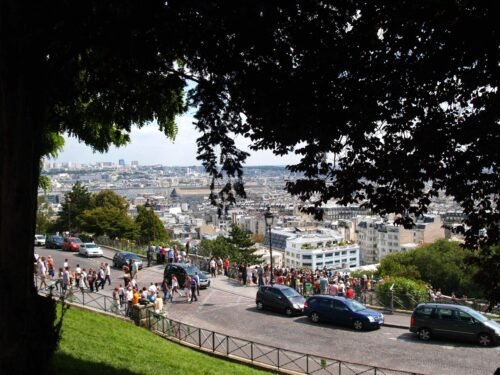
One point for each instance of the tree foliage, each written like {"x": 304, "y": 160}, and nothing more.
{"x": 149, "y": 226}
{"x": 386, "y": 104}
{"x": 75, "y": 203}
{"x": 238, "y": 247}
{"x": 441, "y": 265}
{"x": 404, "y": 293}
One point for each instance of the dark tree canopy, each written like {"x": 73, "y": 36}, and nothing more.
{"x": 387, "y": 103}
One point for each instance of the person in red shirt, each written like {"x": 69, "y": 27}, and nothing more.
{"x": 226, "y": 266}
{"x": 350, "y": 293}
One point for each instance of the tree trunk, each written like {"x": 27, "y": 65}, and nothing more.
{"x": 28, "y": 337}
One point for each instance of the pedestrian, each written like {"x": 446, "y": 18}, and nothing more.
{"x": 121, "y": 295}
{"x": 42, "y": 272}
{"x": 175, "y": 285}
{"x": 187, "y": 288}
{"x": 149, "y": 255}
{"x": 116, "y": 300}
{"x": 193, "y": 289}
{"x": 101, "y": 277}
{"x": 213, "y": 266}
{"x": 91, "y": 280}
{"x": 107, "y": 273}
{"x": 66, "y": 280}
{"x": 197, "y": 279}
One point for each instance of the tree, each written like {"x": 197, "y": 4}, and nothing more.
{"x": 75, "y": 203}
{"x": 43, "y": 215}
{"x": 387, "y": 104}
{"x": 442, "y": 265}
{"x": 108, "y": 215}
{"x": 218, "y": 247}
{"x": 150, "y": 227}
{"x": 244, "y": 246}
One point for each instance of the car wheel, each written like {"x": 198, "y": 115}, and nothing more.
{"x": 260, "y": 306}
{"x": 357, "y": 324}
{"x": 484, "y": 339}
{"x": 424, "y": 334}
{"x": 315, "y": 317}
{"x": 288, "y": 311}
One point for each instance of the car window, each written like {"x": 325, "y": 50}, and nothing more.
{"x": 323, "y": 302}
{"x": 464, "y": 317}
{"x": 289, "y": 292}
{"x": 424, "y": 311}
{"x": 355, "y": 305}
{"x": 445, "y": 314}
{"x": 340, "y": 306}
{"x": 275, "y": 292}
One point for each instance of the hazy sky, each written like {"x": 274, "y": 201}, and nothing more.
{"x": 150, "y": 146}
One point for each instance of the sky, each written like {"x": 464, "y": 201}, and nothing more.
{"x": 149, "y": 146}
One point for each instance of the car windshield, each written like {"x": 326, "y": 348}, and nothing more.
{"x": 76, "y": 240}
{"x": 38, "y": 236}
{"x": 354, "y": 305}
{"x": 192, "y": 269}
{"x": 290, "y": 293}
{"x": 90, "y": 245}
{"x": 476, "y": 315}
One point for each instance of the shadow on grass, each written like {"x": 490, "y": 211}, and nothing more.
{"x": 66, "y": 364}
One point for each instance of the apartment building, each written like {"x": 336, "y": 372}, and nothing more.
{"x": 319, "y": 251}
{"x": 377, "y": 237}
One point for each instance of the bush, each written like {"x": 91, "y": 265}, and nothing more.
{"x": 407, "y": 293}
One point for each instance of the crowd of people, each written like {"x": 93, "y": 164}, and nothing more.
{"x": 305, "y": 281}
{"x": 66, "y": 277}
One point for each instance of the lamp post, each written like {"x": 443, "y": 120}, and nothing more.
{"x": 68, "y": 199}
{"x": 269, "y": 217}
{"x": 149, "y": 206}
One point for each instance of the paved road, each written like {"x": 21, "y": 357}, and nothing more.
{"x": 230, "y": 309}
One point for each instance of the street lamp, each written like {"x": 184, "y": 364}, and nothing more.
{"x": 150, "y": 208}
{"x": 269, "y": 217}
{"x": 68, "y": 200}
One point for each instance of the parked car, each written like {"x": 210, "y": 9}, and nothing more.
{"x": 123, "y": 258}
{"x": 39, "y": 240}
{"x": 341, "y": 310}
{"x": 90, "y": 249}
{"x": 180, "y": 270}
{"x": 453, "y": 322}
{"x": 279, "y": 298}
{"x": 71, "y": 244}
{"x": 54, "y": 242}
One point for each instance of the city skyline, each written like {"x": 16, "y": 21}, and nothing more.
{"x": 149, "y": 146}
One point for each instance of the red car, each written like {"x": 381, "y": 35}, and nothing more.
{"x": 71, "y": 244}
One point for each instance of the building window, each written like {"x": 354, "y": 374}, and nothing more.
{"x": 306, "y": 257}
{"x": 328, "y": 255}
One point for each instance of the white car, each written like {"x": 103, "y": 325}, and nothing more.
{"x": 39, "y": 240}
{"x": 90, "y": 249}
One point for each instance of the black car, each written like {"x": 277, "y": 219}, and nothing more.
{"x": 453, "y": 322}
{"x": 342, "y": 311}
{"x": 280, "y": 298}
{"x": 123, "y": 258}
{"x": 54, "y": 242}
{"x": 180, "y": 270}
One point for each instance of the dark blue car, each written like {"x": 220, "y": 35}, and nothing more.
{"x": 342, "y": 311}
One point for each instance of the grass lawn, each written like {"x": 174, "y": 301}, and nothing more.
{"x": 95, "y": 344}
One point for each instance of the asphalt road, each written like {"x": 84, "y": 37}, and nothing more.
{"x": 237, "y": 316}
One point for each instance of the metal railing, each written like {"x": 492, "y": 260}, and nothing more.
{"x": 283, "y": 360}
{"x": 82, "y": 297}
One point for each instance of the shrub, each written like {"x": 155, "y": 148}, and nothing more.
{"x": 407, "y": 293}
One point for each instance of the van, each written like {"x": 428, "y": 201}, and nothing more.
{"x": 453, "y": 322}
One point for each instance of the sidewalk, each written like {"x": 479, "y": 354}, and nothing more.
{"x": 395, "y": 320}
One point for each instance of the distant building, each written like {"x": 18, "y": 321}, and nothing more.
{"x": 319, "y": 251}
{"x": 377, "y": 237}
{"x": 134, "y": 163}
{"x": 121, "y": 162}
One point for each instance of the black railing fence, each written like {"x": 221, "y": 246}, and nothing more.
{"x": 283, "y": 360}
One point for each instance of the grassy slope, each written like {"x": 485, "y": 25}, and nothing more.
{"x": 96, "y": 344}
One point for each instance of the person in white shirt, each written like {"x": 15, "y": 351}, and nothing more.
{"x": 42, "y": 272}
{"x": 108, "y": 273}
